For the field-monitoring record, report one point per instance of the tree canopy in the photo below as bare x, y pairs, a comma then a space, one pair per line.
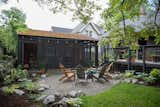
11, 21
113, 16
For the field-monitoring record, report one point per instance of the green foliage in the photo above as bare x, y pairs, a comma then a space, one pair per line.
5, 69
14, 75
129, 73
155, 73
10, 89
125, 95
33, 97
9, 74
81, 9
74, 102
30, 86
12, 21
142, 76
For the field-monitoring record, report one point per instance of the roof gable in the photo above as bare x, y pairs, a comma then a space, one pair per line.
82, 26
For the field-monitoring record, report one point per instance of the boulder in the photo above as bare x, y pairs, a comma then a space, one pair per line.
72, 94
41, 89
19, 92
44, 86
141, 82
58, 96
49, 99
134, 81
80, 93
43, 76
127, 80
42, 97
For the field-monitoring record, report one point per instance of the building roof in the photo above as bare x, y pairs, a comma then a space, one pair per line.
82, 26
61, 30
41, 33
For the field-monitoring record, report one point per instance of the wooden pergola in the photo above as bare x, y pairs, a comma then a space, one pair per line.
44, 48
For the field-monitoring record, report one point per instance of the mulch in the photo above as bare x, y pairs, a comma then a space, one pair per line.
14, 101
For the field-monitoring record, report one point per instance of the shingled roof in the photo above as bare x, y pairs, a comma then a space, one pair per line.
41, 33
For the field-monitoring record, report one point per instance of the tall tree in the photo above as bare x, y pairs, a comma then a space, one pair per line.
11, 21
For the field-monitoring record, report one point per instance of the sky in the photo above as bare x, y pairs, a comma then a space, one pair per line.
41, 18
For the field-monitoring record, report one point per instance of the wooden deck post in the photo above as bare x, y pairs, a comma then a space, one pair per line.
96, 54
104, 52
22, 50
129, 58
143, 58
90, 47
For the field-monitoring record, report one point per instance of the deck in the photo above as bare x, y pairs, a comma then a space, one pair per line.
122, 64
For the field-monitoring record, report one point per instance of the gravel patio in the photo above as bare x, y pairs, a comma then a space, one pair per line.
89, 88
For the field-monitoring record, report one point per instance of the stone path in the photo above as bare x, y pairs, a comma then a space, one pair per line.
89, 88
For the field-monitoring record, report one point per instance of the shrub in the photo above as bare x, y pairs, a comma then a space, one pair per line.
128, 73
29, 86
141, 76
14, 75
10, 89
155, 73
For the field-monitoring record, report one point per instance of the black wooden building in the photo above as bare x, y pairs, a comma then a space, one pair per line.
44, 48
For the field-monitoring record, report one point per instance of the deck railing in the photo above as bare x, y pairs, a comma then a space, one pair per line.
146, 57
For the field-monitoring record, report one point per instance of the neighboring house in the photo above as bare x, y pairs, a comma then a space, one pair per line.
61, 30
90, 29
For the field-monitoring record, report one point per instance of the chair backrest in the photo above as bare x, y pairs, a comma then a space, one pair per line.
108, 68
62, 68
80, 72
105, 69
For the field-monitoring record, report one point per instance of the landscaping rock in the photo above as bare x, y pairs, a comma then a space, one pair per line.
80, 93
41, 89
19, 92
141, 82
58, 96
43, 76
34, 74
44, 86
42, 97
72, 94
49, 99
127, 80
134, 81
3, 88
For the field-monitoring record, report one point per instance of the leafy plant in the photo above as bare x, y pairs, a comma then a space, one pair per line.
30, 86
129, 73
33, 97
141, 76
74, 102
10, 89
14, 75
11, 22
155, 73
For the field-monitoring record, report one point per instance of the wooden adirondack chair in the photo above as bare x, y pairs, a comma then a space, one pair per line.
68, 73
104, 73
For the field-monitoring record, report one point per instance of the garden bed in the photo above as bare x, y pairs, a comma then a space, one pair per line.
15, 101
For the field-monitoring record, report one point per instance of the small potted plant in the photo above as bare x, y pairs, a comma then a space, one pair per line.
42, 69
133, 56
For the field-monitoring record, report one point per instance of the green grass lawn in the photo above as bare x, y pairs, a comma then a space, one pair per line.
125, 95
